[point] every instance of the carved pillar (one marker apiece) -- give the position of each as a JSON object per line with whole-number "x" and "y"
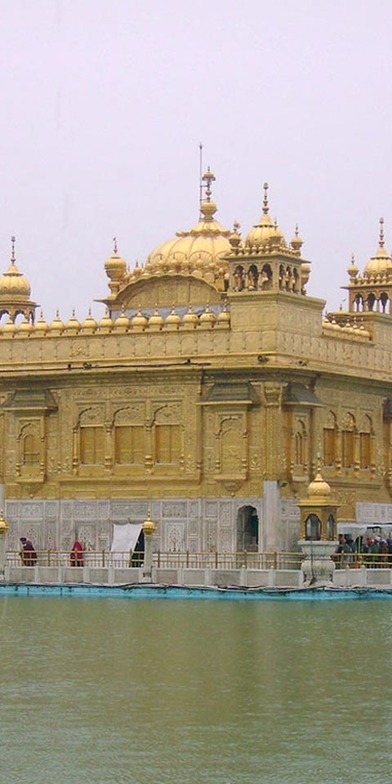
{"x": 75, "y": 449}
{"x": 148, "y": 457}
{"x": 338, "y": 461}
{"x": 275, "y": 468}
{"x": 109, "y": 448}
{"x": 357, "y": 450}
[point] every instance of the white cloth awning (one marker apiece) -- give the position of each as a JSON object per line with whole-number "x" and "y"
{"x": 124, "y": 541}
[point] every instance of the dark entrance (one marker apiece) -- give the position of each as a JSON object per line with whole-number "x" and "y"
{"x": 247, "y": 530}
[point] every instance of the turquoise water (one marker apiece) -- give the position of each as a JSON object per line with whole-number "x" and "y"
{"x": 103, "y": 691}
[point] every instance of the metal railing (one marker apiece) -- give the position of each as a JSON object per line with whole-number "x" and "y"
{"x": 195, "y": 560}
{"x": 163, "y": 560}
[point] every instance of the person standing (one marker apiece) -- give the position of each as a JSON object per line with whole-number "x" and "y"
{"x": 28, "y": 552}
{"x": 76, "y": 556}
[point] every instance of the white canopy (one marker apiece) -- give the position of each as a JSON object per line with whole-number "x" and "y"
{"x": 125, "y": 536}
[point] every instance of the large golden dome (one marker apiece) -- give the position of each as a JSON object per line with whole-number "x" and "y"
{"x": 201, "y": 249}
{"x": 380, "y": 263}
{"x": 14, "y": 285}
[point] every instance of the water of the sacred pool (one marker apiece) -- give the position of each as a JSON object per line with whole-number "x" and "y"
{"x": 155, "y": 691}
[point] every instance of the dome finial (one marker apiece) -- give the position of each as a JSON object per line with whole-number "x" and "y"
{"x": 381, "y": 239}
{"x": 115, "y": 248}
{"x": 265, "y": 200}
{"x": 208, "y": 178}
{"x": 13, "y": 240}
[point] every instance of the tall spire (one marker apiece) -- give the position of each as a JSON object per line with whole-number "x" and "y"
{"x": 381, "y": 239}
{"x": 13, "y": 240}
{"x": 265, "y": 199}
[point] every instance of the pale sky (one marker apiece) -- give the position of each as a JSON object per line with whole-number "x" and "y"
{"x": 104, "y": 103}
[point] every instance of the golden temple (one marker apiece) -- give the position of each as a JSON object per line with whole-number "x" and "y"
{"x": 207, "y": 392}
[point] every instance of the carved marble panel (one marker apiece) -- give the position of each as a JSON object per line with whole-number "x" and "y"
{"x": 174, "y": 509}
{"x": 31, "y": 510}
{"x": 175, "y": 536}
{"x": 211, "y": 509}
{"x": 84, "y": 509}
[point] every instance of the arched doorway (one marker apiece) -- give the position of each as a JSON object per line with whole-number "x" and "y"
{"x": 247, "y": 530}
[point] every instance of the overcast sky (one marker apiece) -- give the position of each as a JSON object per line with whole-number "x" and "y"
{"x": 104, "y": 103}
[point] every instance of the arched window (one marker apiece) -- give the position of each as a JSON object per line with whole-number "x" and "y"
{"x": 313, "y": 527}
{"x": 129, "y": 446}
{"x": 370, "y": 302}
{"x": 265, "y": 282}
{"x": 239, "y": 278}
{"x": 384, "y": 300}
{"x": 252, "y": 277}
{"x": 30, "y": 450}
{"x": 91, "y": 445}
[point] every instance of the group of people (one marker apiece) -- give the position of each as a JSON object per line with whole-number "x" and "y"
{"x": 369, "y": 551}
{"x": 29, "y": 556}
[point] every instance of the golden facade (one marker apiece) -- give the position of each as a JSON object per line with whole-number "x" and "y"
{"x": 208, "y": 392}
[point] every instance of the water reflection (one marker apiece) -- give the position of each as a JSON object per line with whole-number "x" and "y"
{"x": 182, "y": 692}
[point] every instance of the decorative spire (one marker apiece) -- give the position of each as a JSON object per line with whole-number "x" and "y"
{"x": 208, "y": 178}
{"x": 115, "y": 248}
{"x": 265, "y": 199}
{"x": 381, "y": 240}
{"x": 207, "y": 206}
{"x": 13, "y": 240}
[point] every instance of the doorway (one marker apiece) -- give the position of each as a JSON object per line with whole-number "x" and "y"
{"x": 247, "y": 530}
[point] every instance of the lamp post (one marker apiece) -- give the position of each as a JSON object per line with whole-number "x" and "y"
{"x": 318, "y": 533}
{"x": 148, "y": 529}
{"x": 3, "y": 530}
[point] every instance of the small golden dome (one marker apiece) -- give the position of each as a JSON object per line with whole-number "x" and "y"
{"x": 235, "y": 236}
{"x": 41, "y": 325}
{"x": 25, "y": 327}
{"x": 106, "y": 322}
{"x": 149, "y": 526}
{"x": 122, "y": 320}
{"x": 89, "y": 324}
{"x": 352, "y": 269}
{"x": 56, "y": 325}
{"x": 14, "y": 285}
{"x": 156, "y": 320}
{"x": 72, "y": 325}
{"x": 297, "y": 242}
{"x": 115, "y": 266}
{"x": 224, "y": 315}
{"x": 207, "y": 317}
{"x": 380, "y": 263}
{"x": 190, "y": 317}
{"x": 139, "y": 320}
{"x": 173, "y": 318}
{"x": 319, "y": 488}
{"x": 265, "y": 231}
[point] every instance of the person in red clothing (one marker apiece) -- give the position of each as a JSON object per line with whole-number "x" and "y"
{"x": 76, "y": 556}
{"x": 28, "y": 553}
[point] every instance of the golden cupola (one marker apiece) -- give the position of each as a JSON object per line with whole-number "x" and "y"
{"x": 380, "y": 263}
{"x": 201, "y": 250}
{"x": 115, "y": 268}
{"x": 15, "y": 291}
{"x": 266, "y": 232}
